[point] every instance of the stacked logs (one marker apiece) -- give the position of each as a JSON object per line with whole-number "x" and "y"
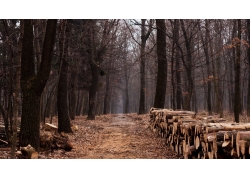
{"x": 201, "y": 137}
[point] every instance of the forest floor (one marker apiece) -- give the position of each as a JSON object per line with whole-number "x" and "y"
{"x": 117, "y": 136}
{"x": 114, "y": 136}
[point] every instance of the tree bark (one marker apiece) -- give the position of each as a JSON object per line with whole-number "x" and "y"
{"x": 172, "y": 67}
{"x": 62, "y": 93}
{"x": 248, "y": 57}
{"x": 177, "y": 66}
{"x": 144, "y": 37}
{"x": 72, "y": 95}
{"x": 37, "y": 45}
{"x": 162, "y": 64}
{"x": 188, "y": 67}
{"x": 126, "y": 77}
{"x": 106, "y": 109}
{"x": 93, "y": 91}
{"x": 126, "y": 98}
{"x": 94, "y": 71}
{"x": 216, "y": 73}
{"x": 32, "y": 85}
{"x": 205, "y": 45}
{"x": 237, "y": 76}
{"x": 16, "y": 92}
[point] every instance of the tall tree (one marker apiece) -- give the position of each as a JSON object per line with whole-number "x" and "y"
{"x": 16, "y": 92}
{"x": 94, "y": 68}
{"x": 62, "y": 91}
{"x": 237, "y": 75}
{"x": 188, "y": 65}
{"x": 72, "y": 93}
{"x": 248, "y": 57}
{"x": 177, "y": 66}
{"x": 162, "y": 64}
{"x": 205, "y": 46}
{"x": 32, "y": 84}
{"x": 144, "y": 37}
{"x": 215, "y": 68}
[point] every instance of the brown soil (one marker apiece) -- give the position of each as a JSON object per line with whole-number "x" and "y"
{"x": 115, "y": 137}
{"x": 111, "y": 137}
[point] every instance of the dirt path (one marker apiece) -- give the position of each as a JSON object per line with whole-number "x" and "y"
{"x": 115, "y": 137}
{"x": 112, "y": 137}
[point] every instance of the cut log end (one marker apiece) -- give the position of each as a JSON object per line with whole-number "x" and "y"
{"x": 225, "y": 143}
{"x": 29, "y": 152}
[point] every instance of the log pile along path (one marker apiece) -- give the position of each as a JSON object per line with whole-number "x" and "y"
{"x": 114, "y": 137}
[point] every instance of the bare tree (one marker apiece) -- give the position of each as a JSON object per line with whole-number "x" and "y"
{"x": 248, "y": 56}
{"x": 206, "y": 52}
{"x": 62, "y": 94}
{"x": 144, "y": 37}
{"x": 162, "y": 64}
{"x": 32, "y": 84}
{"x": 237, "y": 75}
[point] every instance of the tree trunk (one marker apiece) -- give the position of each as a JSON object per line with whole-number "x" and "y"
{"x": 188, "y": 67}
{"x": 126, "y": 77}
{"x": 93, "y": 91}
{"x": 32, "y": 85}
{"x": 37, "y": 45}
{"x": 144, "y": 37}
{"x": 178, "y": 71}
{"x": 94, "y": 72}
{"x": 72, "y": 95}
{"x": 79, "y": 102}
{"x": 172, "y": 67}
{"x": 30, "y": 123}
{"x": 85, "y": 99}
{"x": 216, "y": 73}
{"x": 95, "y": 58}
{"x": 106, "y": 109}
{"x": 62, "y": 93}
{"x": 126, "y": 99}
{"x": 162, "y": 64}
{"x": 16, "y": 92}
{"x": 248, "y": 57}
{"x": 205, "y": 45}
{"x": 231, "y": 70}
{"x": 237, "y": 76}
{"x": 142, "y": 69}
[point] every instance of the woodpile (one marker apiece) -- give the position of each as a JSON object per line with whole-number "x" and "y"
{"x": 50, "y": 139}
{"x": 201, "y": 137}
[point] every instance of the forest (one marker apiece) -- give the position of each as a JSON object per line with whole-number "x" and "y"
{"x": 69, "y": 68}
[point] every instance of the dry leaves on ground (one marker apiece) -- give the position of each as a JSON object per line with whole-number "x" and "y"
{"x": 112, "y": 137}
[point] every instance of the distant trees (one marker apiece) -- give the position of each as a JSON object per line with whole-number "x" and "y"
{"x": 205, "y": 43}
{"x": 98, "y": 37}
